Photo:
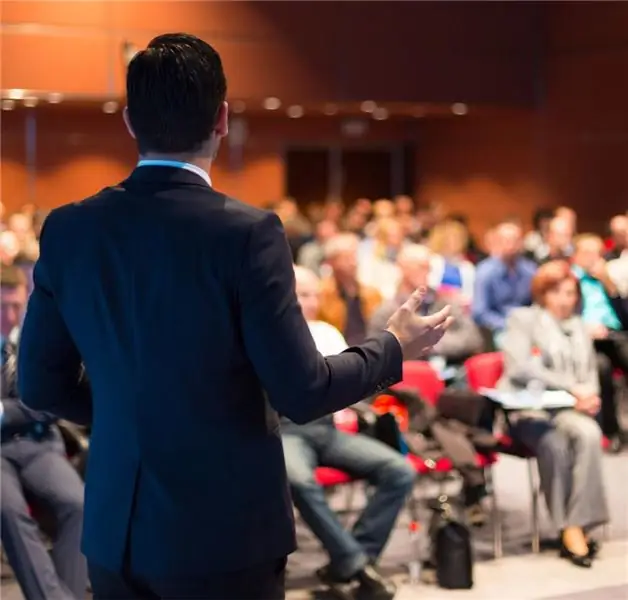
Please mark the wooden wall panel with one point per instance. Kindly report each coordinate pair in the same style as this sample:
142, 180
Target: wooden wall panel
14, 190
310, 50
55, 63
585, 115
218, 19
81, 14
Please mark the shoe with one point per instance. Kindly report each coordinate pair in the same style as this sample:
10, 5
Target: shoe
594, 548
342, 589
585, 561
373, 586
366, 584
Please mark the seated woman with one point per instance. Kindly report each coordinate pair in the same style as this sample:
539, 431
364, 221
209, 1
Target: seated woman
450, 268
547, 345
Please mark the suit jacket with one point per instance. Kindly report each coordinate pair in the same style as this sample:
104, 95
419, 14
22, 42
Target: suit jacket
565, 361
180, 302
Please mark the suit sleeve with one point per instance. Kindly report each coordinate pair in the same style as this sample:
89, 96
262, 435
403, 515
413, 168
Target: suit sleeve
50, 375
301, 384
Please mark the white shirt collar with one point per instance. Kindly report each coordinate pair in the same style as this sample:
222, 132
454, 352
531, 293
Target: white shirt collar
177, 165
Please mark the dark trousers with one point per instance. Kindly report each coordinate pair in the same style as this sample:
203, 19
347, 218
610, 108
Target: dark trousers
265, 582
612, 353
41, 470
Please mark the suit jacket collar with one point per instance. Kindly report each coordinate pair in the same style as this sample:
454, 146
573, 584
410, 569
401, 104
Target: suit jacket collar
165, 176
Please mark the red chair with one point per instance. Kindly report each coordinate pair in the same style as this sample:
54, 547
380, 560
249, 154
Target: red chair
421, 377
484, 370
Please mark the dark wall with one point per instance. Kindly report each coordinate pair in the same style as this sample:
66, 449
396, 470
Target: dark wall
299, 51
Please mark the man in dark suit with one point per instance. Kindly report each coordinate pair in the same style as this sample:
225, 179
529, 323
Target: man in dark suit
34, 464
179, 301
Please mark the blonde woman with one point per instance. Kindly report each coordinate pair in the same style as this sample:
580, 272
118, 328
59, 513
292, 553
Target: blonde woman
450, 268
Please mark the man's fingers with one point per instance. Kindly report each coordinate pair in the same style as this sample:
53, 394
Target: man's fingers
440, 318
414, 301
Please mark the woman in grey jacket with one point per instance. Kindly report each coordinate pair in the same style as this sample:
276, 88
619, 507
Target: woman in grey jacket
547, 345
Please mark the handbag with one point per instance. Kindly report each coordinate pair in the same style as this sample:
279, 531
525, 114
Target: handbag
452, 550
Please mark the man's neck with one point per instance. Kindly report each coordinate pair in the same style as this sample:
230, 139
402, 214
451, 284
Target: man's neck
202, 162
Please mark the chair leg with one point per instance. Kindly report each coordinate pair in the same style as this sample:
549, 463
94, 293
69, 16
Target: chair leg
534, 489
495, 516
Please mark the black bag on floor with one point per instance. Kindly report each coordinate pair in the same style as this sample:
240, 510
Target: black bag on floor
452, 550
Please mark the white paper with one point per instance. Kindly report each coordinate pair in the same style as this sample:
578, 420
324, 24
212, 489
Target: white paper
525, 400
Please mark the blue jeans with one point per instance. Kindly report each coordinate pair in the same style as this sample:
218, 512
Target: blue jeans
384, 468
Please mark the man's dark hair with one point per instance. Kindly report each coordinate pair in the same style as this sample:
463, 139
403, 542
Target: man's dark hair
174, 91
540, 215
12, 277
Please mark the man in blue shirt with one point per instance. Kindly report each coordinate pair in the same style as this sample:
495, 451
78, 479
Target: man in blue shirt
502, 282
606, 316
34, 462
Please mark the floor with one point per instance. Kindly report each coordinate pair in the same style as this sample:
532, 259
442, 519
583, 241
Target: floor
525, 576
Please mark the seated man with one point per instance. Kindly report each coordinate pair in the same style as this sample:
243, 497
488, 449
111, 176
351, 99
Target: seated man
502, 282
34, 461
463, 339
345, 302
352, 553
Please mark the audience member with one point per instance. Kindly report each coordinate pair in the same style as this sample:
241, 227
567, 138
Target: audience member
473, 252
377, 255
618, 268
312, 254
569, 215
34, 464
345, 303
606, 318
297, 227
535, 240
427, 216
463, 339
9, 247
618, 227
558, 243
21, 224
354, 553
448, 242
502, 282
549, 343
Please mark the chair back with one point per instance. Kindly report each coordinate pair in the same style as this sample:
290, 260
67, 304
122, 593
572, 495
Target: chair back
484, 370
421, 377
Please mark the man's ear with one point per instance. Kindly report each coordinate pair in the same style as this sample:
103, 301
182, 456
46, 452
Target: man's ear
221, 129
127, 122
